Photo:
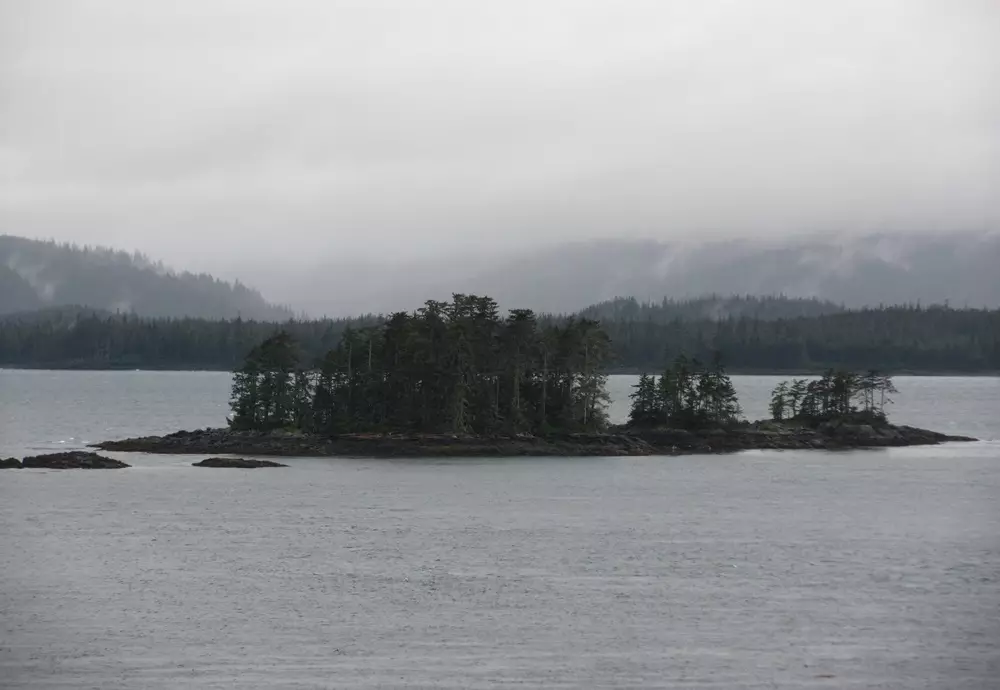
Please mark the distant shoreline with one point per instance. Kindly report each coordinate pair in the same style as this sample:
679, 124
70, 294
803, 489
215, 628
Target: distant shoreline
624, 371
988, 373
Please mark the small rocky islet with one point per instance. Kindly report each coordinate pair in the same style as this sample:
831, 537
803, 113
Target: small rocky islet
238, 463
71, 460
83, 460
618, 441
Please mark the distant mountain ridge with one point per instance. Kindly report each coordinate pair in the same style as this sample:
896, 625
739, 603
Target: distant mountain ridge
38, 275
959, 268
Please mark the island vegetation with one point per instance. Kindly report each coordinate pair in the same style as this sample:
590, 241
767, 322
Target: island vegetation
455, 367
686, 396
835, 395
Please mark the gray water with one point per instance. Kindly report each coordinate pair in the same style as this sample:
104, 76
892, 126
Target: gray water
861, 569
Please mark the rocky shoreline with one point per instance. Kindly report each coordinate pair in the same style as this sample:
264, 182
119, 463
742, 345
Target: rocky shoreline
617, 441
72, 460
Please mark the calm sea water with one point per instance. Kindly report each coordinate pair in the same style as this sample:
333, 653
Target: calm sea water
759, 570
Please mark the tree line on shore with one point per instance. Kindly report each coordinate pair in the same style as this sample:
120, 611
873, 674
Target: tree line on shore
891, 339
455, 367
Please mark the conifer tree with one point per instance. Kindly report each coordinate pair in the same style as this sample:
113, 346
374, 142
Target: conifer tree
265, 394
448, 367
779, 401
796, 392
646, 408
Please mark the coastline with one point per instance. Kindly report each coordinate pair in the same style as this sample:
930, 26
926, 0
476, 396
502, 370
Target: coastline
618, 371
616, 442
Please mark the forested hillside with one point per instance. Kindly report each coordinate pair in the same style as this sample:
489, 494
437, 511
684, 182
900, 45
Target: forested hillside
959, 268
893, 339
37, 274
710, 308
933, 339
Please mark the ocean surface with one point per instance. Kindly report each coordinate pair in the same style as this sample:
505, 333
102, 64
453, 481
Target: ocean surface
861, 569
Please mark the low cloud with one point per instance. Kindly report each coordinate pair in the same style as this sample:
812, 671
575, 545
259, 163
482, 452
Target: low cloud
218, 134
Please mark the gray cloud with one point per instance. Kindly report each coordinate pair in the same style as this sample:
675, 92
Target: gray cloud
218, 134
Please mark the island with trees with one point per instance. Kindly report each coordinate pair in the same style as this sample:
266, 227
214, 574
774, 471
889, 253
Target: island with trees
458, 379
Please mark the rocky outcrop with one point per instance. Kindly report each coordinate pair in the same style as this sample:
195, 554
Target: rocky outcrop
779, 436
618, 441
237, 462
291, 444
10, 464
73, 460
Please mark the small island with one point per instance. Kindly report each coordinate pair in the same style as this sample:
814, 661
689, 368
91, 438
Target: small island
71, 460
237, 463
458, 380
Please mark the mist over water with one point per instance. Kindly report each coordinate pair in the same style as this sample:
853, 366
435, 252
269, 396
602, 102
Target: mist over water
757, 570
352, 157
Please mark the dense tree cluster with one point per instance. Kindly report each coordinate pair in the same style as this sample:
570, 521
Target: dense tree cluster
895, 339
454, 367
687, 395
837, 394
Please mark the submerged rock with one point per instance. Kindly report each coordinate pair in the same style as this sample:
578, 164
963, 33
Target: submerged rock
10, 464
73, 460
237, 462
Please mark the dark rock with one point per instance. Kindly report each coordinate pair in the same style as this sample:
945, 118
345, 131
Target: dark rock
73, 460
10, 464
237, 462
617, 441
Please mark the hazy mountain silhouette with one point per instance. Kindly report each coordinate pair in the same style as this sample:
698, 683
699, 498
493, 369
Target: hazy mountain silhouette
35, 275
960, 268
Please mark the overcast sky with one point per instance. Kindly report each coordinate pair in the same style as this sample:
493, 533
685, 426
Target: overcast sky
206, 132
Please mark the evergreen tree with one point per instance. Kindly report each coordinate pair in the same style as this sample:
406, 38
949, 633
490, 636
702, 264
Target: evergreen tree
266, 390
718, 402
886, 389
520, 347
779, 401
838, 394
646, 408
796, 392
449, 367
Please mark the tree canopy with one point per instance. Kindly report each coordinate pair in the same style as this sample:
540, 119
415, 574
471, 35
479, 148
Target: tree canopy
455, 367
836, 395
688, 395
